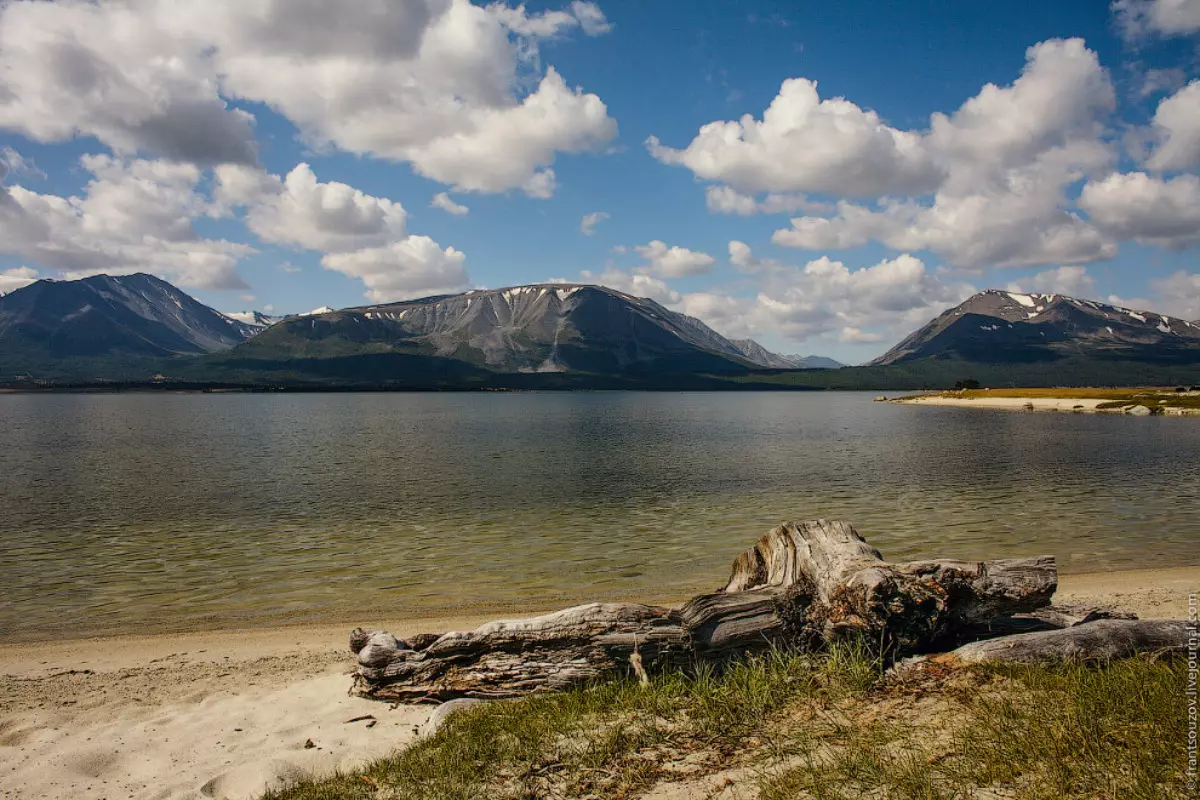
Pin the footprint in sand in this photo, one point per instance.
(251, 780)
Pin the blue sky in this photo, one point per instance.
(915, 153)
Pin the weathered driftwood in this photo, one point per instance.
(1102, 640)
(813, 582)
(515, 657)
(1052, 617)
(803, 584)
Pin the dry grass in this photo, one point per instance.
(825, 728)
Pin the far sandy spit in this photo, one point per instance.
(227, 714)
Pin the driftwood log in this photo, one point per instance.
(1101, 640)
(802, 584)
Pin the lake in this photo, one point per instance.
(153, 512)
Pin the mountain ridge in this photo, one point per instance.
(136, 314)
(997, 325)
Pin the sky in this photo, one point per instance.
(821, 177)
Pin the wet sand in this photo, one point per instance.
(226, 714)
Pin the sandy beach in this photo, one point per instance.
(226, 714)
(1007, 403)
(1077, 405)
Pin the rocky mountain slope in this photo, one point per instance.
(541, 328)
(763, 357)
(138, 315)
(1009, 327)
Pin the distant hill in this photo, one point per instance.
(759, 355)
(128, 315)
(536, 329)
(999, 327)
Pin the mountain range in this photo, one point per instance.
(128, 328)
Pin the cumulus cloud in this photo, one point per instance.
(674, 261)
(828, 298)
(1073, 281)
(806, 144)
(455, 89)
(362, 236)
(1008, 156)
(588, 224)
(823, 298)
(1146, 209)
(727, 200)
(415, 266)
(1176, 130)
(134, 215)
(1141, 18)
(442, 200)
(632, 283)
(16, 278)
(1179, 294)
(106, 70)
(301, 211)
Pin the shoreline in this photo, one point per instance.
(1146, 402)
(223, 714)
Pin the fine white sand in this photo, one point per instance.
(203, 715)
(227, 714)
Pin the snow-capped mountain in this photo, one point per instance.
(256, 318)
(132, 314)
(535, 328)
(1001, 326)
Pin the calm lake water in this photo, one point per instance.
(146, 512)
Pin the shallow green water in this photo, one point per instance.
(154, 512)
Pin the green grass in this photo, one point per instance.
(822, 727)
(1028, 733)
(608, 740)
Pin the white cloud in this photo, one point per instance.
(1179, 295)
(442, 200)
(301, 211)
(13, 164)
(1072, 281)
(1155, 81)
(806, 144)
(727, 200)
(587, 225)
(550, 24)
(1008, 156)
(1148, 210)
(827, 297)
(635, 284)
(134, 215)
(1141, 18)
(1176, 129)
(675, 261)
(16, 278)
(455, 89)
(362, 236)
(415, 266)
(852, 335)
(824, 298)
(106, 70)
